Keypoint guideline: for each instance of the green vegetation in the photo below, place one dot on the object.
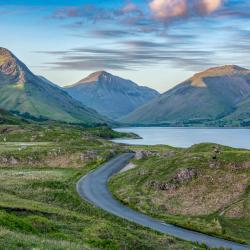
(8, 118)
(39, 206)
(210, 98)
(22, 91)
(204, 188)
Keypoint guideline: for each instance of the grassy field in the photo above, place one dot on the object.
(39, 206)
(204, 188)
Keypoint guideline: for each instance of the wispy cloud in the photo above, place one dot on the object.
(134, 54)
(136, 35)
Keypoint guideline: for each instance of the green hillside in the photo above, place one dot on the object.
(21, 90)
(205, 99)
(39, 205)
(10, 119)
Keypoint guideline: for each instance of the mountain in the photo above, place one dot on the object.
(44, 79)
(110, 95)
(217, 96)
(22, 91)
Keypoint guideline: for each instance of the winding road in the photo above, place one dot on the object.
(93, 188)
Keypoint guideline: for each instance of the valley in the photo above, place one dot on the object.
(39, 206)
(50, 137)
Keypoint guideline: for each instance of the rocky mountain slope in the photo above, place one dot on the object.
(218, 96)
(110, 95)
(21, 90)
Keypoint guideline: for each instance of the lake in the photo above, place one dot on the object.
(185, 137)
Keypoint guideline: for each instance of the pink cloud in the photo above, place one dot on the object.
(164, 9)
(207, 6)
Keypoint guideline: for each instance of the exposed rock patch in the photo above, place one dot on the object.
(239, 165)
(8, 160)
(141, 154)
(182, 176)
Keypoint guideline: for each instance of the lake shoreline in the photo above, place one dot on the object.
(185, 137)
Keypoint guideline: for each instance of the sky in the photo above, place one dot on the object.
(156, 43)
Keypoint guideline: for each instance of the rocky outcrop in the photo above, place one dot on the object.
(182, 176)
(4, 160)
(140, 154)
(239, 165)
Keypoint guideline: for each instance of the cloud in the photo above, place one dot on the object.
(132, 55)
(167, 9)
(207, 6)
(164, 9)
(112, 33)
(130, 7)
(90, 12)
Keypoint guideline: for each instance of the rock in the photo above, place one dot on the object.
(4, 160)
(140, 154)
(182, 176)
(168, 154)
(88, 156)
(239, 165)
(185, 174)
(216, 149)
(163, 186)
(214, 165)
(13, 161)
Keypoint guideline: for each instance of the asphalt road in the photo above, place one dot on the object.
(93, 188)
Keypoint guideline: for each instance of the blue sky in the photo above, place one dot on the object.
(157, 43)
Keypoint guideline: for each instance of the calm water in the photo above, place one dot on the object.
(185, 137)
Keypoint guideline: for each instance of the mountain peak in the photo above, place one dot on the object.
(11, 67)
(94, 77)
(110, 95)
(5, 56)
(4, 51)
(23, 91)
(227, 70)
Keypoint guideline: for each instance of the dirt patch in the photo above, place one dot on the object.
(235, 211)
(128, 167)
(205, 195)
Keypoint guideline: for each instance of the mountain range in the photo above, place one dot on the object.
(23, 91)
(219, 96)
(110, 95)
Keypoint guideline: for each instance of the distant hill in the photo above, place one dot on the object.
(110, 95)
(218, 97)
(22, 91)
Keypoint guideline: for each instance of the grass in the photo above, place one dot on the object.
(216, 201)
(39, 206)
